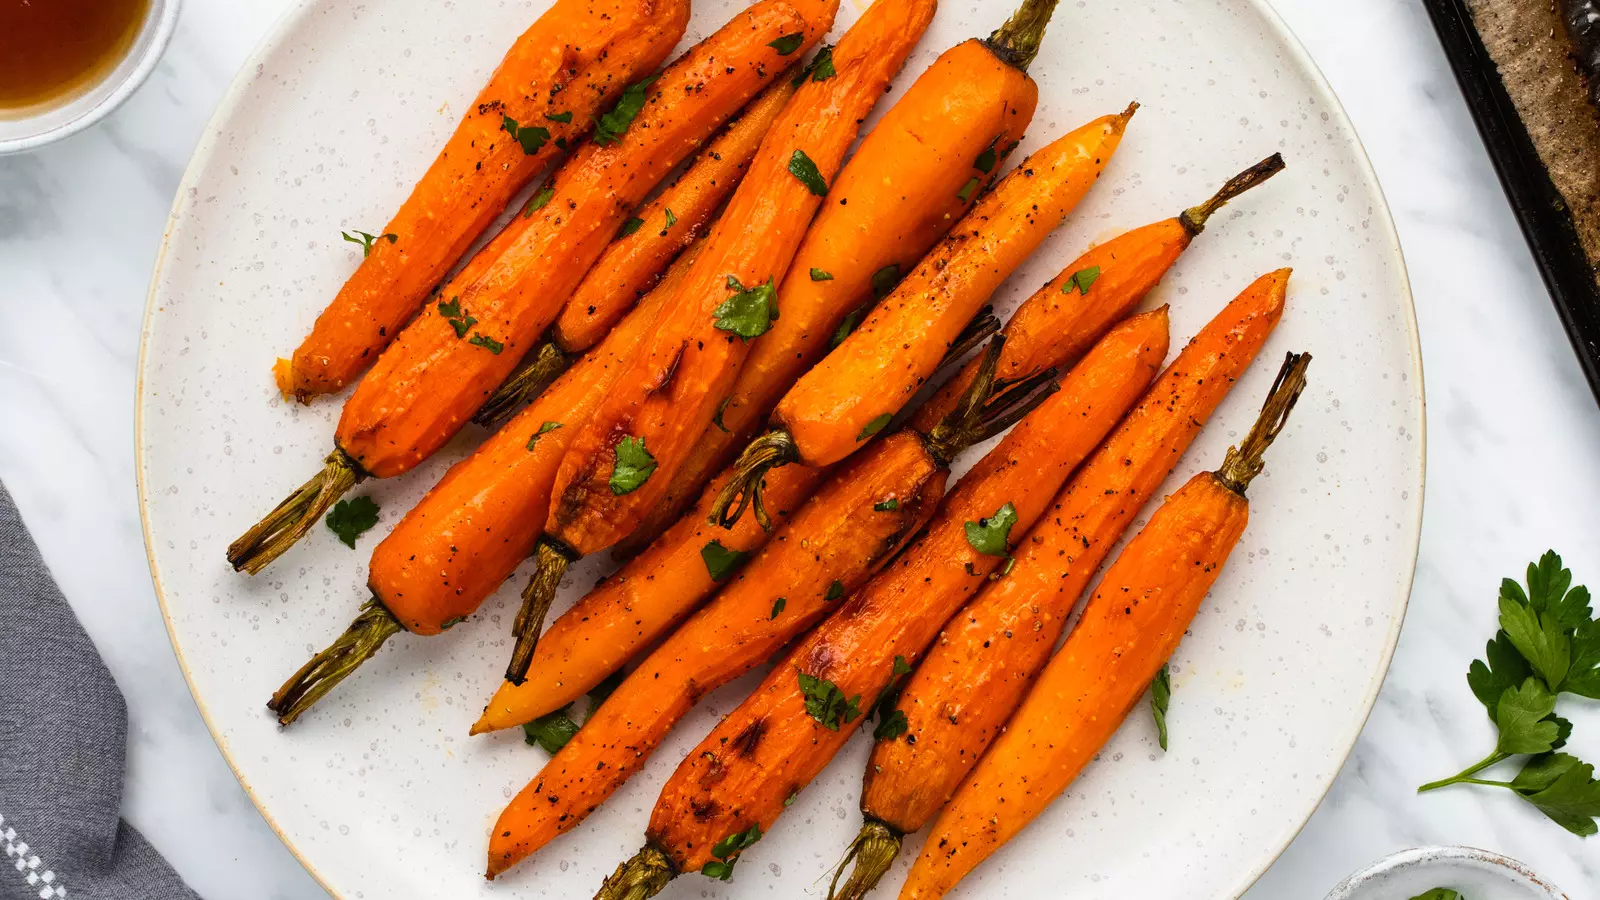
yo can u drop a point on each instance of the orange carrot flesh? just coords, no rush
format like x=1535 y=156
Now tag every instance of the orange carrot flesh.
x=640 y=604
x=473 y=528
x=678 y=379
x=959 y=698
x=633 y=264
x=899 y=194
x=572 y=63
x=829 y=411
x=772 y=746
x=830 y=546
x=450 y=360
x=1128 y=631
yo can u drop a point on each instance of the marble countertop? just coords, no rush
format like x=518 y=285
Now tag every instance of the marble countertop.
x=1515 y=434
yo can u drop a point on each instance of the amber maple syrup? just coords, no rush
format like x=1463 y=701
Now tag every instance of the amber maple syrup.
x=54 y=50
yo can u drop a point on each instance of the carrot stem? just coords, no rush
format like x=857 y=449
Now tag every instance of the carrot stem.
x=639 y=878
x=984 y=325
x=553 y=561
x=290 y=520
x=1194 y=218
x=1017 y=41
x=984 y=410
x=548 y=362
x=1243 y=463
x=874 y=850
x=374 y=625
x=773 y=449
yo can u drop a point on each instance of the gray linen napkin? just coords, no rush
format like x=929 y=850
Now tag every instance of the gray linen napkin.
x=63 y=735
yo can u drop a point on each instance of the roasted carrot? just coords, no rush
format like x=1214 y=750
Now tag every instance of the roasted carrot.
x=619 y=463
x=473 y=528
x=917 y=171
x=961 y=694
x=634 y=262
x=448 y=361
x=734 y=784
x=563 y=71
x=854 y=391
x=1128 y=630
x=831 y=546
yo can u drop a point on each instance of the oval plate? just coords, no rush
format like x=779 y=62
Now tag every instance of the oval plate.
x=380 y=792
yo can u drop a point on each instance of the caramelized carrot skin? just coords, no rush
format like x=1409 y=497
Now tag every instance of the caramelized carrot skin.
x=1129 y=629
x=1055 y=327
x=680 y=377
x=640 y=604
x=473 y=528
x=905 y=336
x=899 y=194
x=575 y=59
x=770 y=746
x=840 y=537
x=431 y=381
x=632 y=265
x=961 y=695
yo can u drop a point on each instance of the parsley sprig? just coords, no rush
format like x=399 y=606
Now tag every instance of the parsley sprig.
x=367 y=240
x=1548 y=644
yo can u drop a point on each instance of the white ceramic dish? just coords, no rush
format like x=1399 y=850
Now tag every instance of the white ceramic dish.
x=1475 y=874
x=380 y=792
x=54 y=123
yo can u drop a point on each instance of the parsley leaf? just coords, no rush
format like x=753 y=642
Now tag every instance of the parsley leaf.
x=609 y=128
x=788 y=44
x=1160 y=698
x=629 y=227
x=750 y=312
x=884 y=280
x=1520 y=716
x=1537 y=637
x=835 y=591
x=889 y=505
x=801 y=167
x=736 y=843
x=827 y=704
x=847 y=327
x=349 y=519
x=892 y=726
x=488 y=343
x=986 y=160
x=721 y=871
x=990 y=536
x=538 y=201
x=634 y=466
x=546 y=428
x=821 y=68
x=873 y=427
x=820 y=275
x=1083 y=279
x=456 y=316
x=551 y=730
x=1505 y=669
x=531 y=137
x=1438 y=894
x=720 y=561
x=968 y=190
x=777 y=607
x=671 y=218
x=562 y=117
x=1564 y=789
x=366 y=240
x=1583 y=676
x=891 y=722
x=606 y=687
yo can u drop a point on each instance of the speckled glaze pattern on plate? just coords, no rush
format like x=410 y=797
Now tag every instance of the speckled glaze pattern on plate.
x=380 y=792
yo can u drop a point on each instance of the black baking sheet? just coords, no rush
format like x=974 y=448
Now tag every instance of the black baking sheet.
x=1539 y=207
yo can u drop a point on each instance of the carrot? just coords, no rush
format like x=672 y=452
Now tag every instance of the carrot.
x=916 y=172
x=632 y=265
x=855 y=390
x=830 y=547
x=734 y=784
x=961 y=695
x=1128 y=630
x=448 y=362
x=563 y=71
x=620 y=462
x=473 y=528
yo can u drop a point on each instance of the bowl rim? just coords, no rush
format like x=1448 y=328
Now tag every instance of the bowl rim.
x=1420 y=856
x=165 y=19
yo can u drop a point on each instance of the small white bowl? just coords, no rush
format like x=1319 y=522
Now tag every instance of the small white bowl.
x=1476 y=874
x=56 y=122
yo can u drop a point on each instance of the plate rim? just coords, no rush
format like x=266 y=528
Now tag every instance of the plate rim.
x=228 y=105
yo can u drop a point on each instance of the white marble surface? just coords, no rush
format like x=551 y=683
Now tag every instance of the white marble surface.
x=1514 y=436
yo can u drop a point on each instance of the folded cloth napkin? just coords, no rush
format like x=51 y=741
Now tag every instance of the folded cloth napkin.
x=63 y=735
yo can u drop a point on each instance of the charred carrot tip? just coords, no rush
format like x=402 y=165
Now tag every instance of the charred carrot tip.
x=1244 y=462
x=374 y=625
x=290 y=520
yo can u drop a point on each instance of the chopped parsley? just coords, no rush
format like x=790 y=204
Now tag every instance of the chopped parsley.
x=538 y=201
x=720 y=561
x=874 y=426
x=546 y=428
x=562 y=117
x=835 y=591
x=884 y=280
x=366 y=240
x=990 y=536
x=847 y=327
x=671 y=219
x=788 y=44
x=889 y=505
x=827 y=704
x=750 y=312
x=1082 y=279
x=820 y=275
x=821 y=67
x=634 y=466
x=777 y=607
x=629 y=227
x=609 y=128
x=456 y=316
x=801 y=167
x=531 y=137
x=1160 y=698
x=488 y=343
x=349 y=519
x=968 y=190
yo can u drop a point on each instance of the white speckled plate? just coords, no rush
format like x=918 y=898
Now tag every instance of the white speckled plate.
x=381 y=793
